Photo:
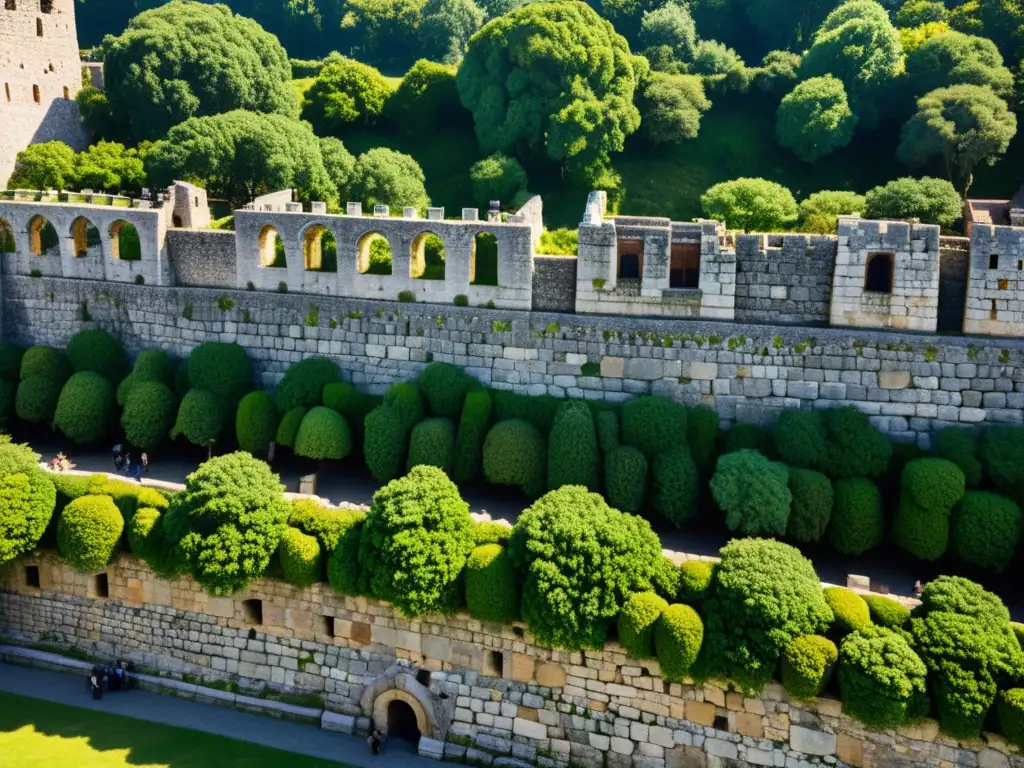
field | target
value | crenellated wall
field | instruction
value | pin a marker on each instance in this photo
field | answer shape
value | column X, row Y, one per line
column 784, row 278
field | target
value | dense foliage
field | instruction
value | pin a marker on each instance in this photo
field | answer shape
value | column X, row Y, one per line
column 811, row 508
column 881, row 678
column 857, row 523
column 148, row 415
column 807, row 664
column 223, row 368
column 88, row 532
column 675, row 484
column 432, row 443
column 928, row 490
column 323, row 434
column 300, row 557
column 384, row 442
column 678, row 636
column 752, row 205
column 653, row 424
column 444, row 387
column 303, row 383
column 85, row 409
column 515, row 454
column 753, row 492
column 27, row 500
column 97, row 351
column 200, row 418
column 985, row 530
column 572, row 447
column 256, row 423
column 636, row 622
column 625, row 478
column 492, row 588
column 469, row 441
column 850, row 609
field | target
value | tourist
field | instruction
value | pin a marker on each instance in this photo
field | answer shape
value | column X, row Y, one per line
column 96, row 682
column 145, row 463
column 118, row 456
column 375, row 740
column 917, row 588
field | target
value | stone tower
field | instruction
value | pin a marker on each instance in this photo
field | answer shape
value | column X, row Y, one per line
column 40, row 74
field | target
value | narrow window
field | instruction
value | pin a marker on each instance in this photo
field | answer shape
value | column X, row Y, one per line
column 878, row 273
column 631, row 259
column 721, row 723
column 1020, row 262
column 992, row 314
column 35, row 94
column 252, row 611
column 102, row 585
column 7, row 91
column 493, row 663
column 993, row 261
column 46, row 6
column 39, row 27
column 423, row 677
column 67, row 93
column 32, row 576
column 327, row 625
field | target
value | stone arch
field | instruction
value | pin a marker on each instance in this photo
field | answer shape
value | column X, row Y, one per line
column 124, row 241
column 85, row 236
column 319, row 249
column 7, row 244
column 271, row 248
column 483, row 264
column 427, row 256
column 42, row 237
column 398, row 684
column 373, row 254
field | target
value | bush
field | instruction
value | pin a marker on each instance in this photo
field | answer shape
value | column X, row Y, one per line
column 933, row 201
column 384, row 443
column 678, row 636
column 580, row 560
column 10, row 362
column 97, row 351
column 303, row 383
column 154, row 365
column 753, row 205
column 405, row 401
column 695, row 577
column 514, row 454
column 800, row 438
column 747, row 437
column 1010, row 708
column 228, row 521
column 770, row 590
column 147, row 540
column 850, row 609
column 125, row 388
column 222, row 368
column 329, row 526
column 986, row 529
column 85, row 409
column 432, row 443
column 200, row 418
column 148, row 415
column 323, row 434
column 675, row 484
column 653, row 424
column 625, row 478
column 807, row 665
column 498, row 177
column 256, row 423
column 88, row 532
column 960, row 446
column 537, row 410
column 415, row 542
column 288, row 429
column 44, row 361
column 881, row 679
column 301, row 560
column 491, row 532
column 36, row 398
column 572, row 447
column 607, row 423
column 665, row 578
column 491, row 584
column 857, row 523
column 812, row 505
column 27, row 501
column 636, row 622
column 469, row 443
column 928, row 490
column 886, row 612
column 343, row 571
column 753, row 492
column 1002, row 456
column 702, row 436
column 856, row 448
column 445, row 386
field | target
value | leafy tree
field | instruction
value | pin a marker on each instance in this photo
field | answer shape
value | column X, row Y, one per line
column 913, row 38
column 240, row 155
column 815, row 119
column 110, row 166
column 498, row 177
column 148, row 541
column 382, row 32
column 818, row 213
column 148, row 415
column 1010, row 707
column 886, row 612
column 753, row 492
column 954, row 58
column 200, row 418
column 256, row 423
column 713, row 58
column 36, row 398
column 1000, row 21
column 963, row 125
column 384, row 443
column 446, row 27
column 670, row 25
column 288, row 427
column 881, row 678
column 671, row 107
column 782, row 24
column 932, row 201
column 386, row 177
column 914, row 13
column 1002, row 456
column 753, row 205
column 345, row 93
column 323, row 434
column 625, row 478
column 88, row 531
column 185, row 60
column 154, row 365
column 426, row 98
column 27, row 501
column 960, row 446
column 702, row 436
column 850, row 609
column 572, row 447
column 778, row 70
column 550, row 78
column 85, row 409
column 338, row 162
column 50, row 165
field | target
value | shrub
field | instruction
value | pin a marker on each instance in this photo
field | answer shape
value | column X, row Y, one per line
column 328, row 525
column 10, row 362
column 125, row 388
column 469, row 443
column 607, row 423
column 36, row 398
column 1010, row 708
column 665, row 578
column 300, row 557
column 881, row 679
column 181, row 383
column 800, row 438
column 491, row 532
column 222, row 368
column 415, row 542
column 27, row 501
column 747, row 437
column 753, row 492
column 514, row 454
column 770, row 590
column 445, row 386
column 695, row 577
column 405, row 401
column 384, row 443
column 986, row 529
column 960, row 446
column 580, row 560
column 856, row 448
column 147, row 540
column 1002, row 456
column 537, row 410
column 653, row 424
column 288, row 429
column 702, row 436
column 678, row 636
column 256, row 423
column 88, row 532
column 85, row 408
column 97, row 351
column 148, row 415
column 812, row 505
column 432, row 443
column 932, row 201
column 807, row 665
column 228, row 521
column 303, row 383
column 572, row 447
column 857, row 524
column 491, row 584
column 636, row 621
column 200, row 418
column 323, row 434
column 850, row 610
column 929, row 489
column 886, row 612
column 154, row 365
column 343, row 571
column 675, row 484
column 625, row 478
column 44, row 361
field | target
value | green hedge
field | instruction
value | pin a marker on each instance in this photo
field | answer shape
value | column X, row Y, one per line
column 811, row 510
column 469, row 443
column 702, row 437
column 636, row 622
column 288, row 428
column 960, row 446
column 343, row 571
column 850, row 609
column 147, row 539
column 537, row 410
column 1010, row 708
column 323, row 434
column 625, row 478
column 148, row 415
column 678, row 636
column 304, row 382
column 840, row 442
column 154, row 365
column 301, row 559
column 928, row 490
column 384, row 439
column 445, row 386
column 800, row 438
column 27, row 501
column 99, row 352
column 572, row 447
column 200, row 417
column 857, row 523
column 44, row 361
column 985, row 530
column 1002, row 457
column 36, row 398
column 256, row 423
column 222, row 368
column 607, row 423
column 807, row 665
column 514, row 454
column 653, row 424
column 432, row 443
column 406, row 402
column 85, row 408
column 753, row 492
column 353, row 405
column 491, row 584
column 491, row 532
column 886, row 612
column 881, row 679
column 16, row 458
column 695, row 577
column 329, row 526
column 665, row 578
column 125, row 388
column 88, row 532
column 747, row 437
column 675, row 485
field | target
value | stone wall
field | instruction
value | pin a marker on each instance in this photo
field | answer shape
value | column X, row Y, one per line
column 909, row 385
column 202, row 258
column 784, row 278
column 954, row 271
column 554, row 283
column 995, row 292
column 481, row 693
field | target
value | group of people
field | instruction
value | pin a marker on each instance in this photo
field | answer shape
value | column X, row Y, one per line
column 113, row 677
column 125, row 463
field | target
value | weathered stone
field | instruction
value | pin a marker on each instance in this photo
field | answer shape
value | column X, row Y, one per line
column 613, row 367
column 850, row 750
column 700, row 712
column 529, row 729
column 550, row 675
column 812, row 742
column 894, row 379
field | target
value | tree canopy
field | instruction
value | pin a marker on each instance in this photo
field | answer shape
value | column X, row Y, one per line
column 384, row 176
column 672, row 106
column 933, row 201
column 753, row 205
column 954, row 58
column 50, row 165
column 815, row 119
column 446, row 27
column 346, row 92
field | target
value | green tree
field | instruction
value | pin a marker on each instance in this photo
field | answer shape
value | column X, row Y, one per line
column 338, row 162
column 323, row 434
column 962, row 125
column 427, row 98
column 240, row 155
column 818, row 213
column 386, row 177
column 98, row 351
column 110, row 166
column 932, row 201
column 498, row 177
column 223, row 368
column 303, row 383
column 85, row 410
column 914, row 13
column 382, row 32
column 711, row 57
column 1001, row 21
column 670, row 25
column 148, row 415
column 753, row 205
column 446, row 27
column 50, row 165
column 572, row 447
column 190, row 59
column 785, row 23
column 200, row 418
column 550, row 78
column 753, row 492
column 815, row 119
column 671, row 107
column 256, row 423
column 345, row 93
column 954, row 58
column 985, row 530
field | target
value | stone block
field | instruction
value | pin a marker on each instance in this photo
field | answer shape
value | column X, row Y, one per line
column 621, row 746
column 850, row 750
column 721, row 748
column 812, row 742
column 223, row 607
column 700, row 712
column 332, row 721
column 613, row 367
column 685, row 757
column 644, row 369
column 431, row 749
column 893, row 379
column 714, row 695
column 360, row 633
column 519, row 668
column 550, row 675
column 701, row 371
column 748, row 724
column 990, row 758
column 436, row 647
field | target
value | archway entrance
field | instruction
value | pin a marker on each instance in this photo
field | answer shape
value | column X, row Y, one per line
column 402, row 722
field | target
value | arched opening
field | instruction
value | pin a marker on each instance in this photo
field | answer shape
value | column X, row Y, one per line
column 373, row 254
column 426, row 257
column 271, row 248
column 85, row 236
column 6, row 237
column 483, row 267
column 402, row 722
column 878, row 273
column 42, row 237
column 124, row 241
column 320, row 249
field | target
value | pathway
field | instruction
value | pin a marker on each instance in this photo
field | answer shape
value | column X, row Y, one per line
column 170, row 710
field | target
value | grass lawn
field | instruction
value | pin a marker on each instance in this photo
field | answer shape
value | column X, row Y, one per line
column 40, row 734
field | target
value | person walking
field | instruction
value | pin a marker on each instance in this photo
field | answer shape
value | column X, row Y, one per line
column 117, row 453
column 375, row 739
